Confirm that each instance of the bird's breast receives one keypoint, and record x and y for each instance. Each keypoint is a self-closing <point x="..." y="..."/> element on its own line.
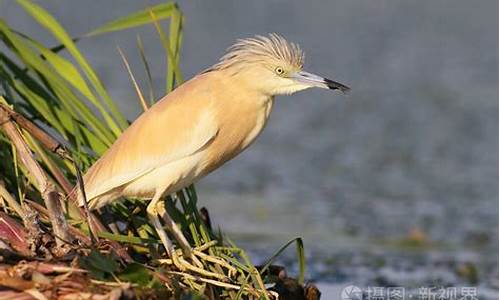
<point x="239" y="127"/>
<point x="260" y="120"/>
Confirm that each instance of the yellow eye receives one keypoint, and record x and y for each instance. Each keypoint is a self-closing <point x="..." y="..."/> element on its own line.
<point x="279" y="71"/>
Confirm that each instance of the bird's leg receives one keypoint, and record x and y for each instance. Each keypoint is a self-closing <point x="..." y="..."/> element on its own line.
<point x="172" y="226"/>
<point x="178" y="261"/>
<point x="176" y="257"/>
<point x="153" y="218"/>
<point x="156" y="208"/>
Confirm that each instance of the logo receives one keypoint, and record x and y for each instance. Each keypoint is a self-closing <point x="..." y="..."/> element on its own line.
<point x="351" y="292"/>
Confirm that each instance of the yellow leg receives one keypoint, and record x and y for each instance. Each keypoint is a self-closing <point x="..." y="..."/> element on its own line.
<point x="178" y="261"/>
<point x="157" y="208"/>
<point x="153" y="218"/>
<point x="186" y="248"/>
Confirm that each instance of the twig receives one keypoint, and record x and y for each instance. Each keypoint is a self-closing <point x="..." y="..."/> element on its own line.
<point x="12" y="202"/>
<point x="72" y="230"/>
<point x="120" y="251"/>
<point x="49" y="193"/>
<point x="79" y="182"/>
<point x="136" y="86"/>
<point x="6" y="116"/>
<point x="51" y="166"/>
<point x="95" y="226"/>
<point x="38" y="133"/>
<point x="45" y="139"/>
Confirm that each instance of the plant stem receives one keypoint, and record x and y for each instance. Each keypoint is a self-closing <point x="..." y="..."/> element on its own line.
<point x="49" y="194"/>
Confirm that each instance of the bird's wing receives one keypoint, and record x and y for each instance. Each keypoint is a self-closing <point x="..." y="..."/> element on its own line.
<point x="178" y="126"/>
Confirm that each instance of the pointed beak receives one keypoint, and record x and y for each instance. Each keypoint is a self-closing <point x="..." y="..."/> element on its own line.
<point x="318" y="81"/>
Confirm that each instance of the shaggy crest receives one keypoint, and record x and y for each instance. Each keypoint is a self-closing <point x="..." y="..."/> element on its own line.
<point x="261" y="49"/>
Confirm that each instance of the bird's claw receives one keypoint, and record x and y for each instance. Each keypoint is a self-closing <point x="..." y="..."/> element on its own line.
<point x="200" y="262"/>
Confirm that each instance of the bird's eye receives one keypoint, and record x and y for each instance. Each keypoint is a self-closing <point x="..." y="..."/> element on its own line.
<point x="279" y="71"/>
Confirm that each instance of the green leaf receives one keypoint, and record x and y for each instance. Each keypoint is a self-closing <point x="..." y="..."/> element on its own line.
<point x="136" y="273"/>
<point x="144" y="60"/>
<point x="104" y="263"/>
<point x="173" y="73"/>
<point x="138" y="18"/>
<point x="47" y="21"/>
<point x="192" y="296"/>
<point x="27" y="86"/>
<point x="170" y="57"/>
<point x="125" y="238"/>
<point x="98" y="264"/>
<point x="71" y="74"/>
<point x="68" y="100"/>
<point x="300" y="257"/>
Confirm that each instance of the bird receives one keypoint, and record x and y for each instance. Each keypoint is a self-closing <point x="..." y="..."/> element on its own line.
<point x="199" y="126"/>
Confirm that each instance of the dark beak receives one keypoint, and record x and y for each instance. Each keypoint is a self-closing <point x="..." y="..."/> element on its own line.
<point x="333" y="85"/>
<point x="318" y="81"/>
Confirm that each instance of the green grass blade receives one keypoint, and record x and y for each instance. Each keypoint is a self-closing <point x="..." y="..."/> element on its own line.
<point x="26" y="86"/>
<point x="47" y="21"/>
<point x="126" y="239"/>
<point x="300" y="256"/>
<point x="144" y="60"/>
<point x="139" y="18"/>
<point x="173" y="73"/>
<point x="71" y="74"/>
<point x="69" y="101"/>
<point x="169" y="84"/>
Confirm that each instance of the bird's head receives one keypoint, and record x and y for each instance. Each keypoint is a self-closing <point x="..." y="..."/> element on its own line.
<point x="272" y="65"/>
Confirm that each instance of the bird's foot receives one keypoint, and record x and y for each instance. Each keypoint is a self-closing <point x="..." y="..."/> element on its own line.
<point x="199" y="262"/>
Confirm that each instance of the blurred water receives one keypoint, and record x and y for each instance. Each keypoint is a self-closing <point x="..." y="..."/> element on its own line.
<point x="415" y="145"/>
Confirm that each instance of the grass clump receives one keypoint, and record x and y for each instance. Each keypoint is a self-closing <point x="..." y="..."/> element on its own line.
<point x="56" y="119"/>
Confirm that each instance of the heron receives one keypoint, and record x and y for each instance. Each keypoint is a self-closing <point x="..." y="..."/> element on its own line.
<point x="198" y="127"/>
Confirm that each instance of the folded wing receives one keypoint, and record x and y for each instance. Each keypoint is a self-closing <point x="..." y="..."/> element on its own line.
<point x="178" y="126"/>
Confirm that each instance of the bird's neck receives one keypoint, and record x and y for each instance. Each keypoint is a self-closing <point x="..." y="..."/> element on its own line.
<point x="243" y="90"/>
